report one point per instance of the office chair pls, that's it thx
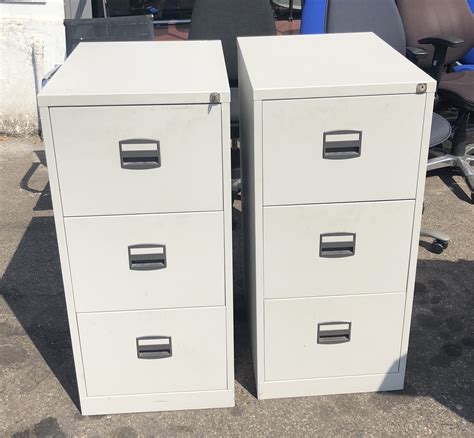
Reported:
(290, 5)
(382, 18)
(445, 28)
(226, 20)
(133, 28)
(467, 63)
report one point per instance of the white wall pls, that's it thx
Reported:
(21, 24)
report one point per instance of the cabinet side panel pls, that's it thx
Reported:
(420, 192)
(250, 141)
(62, 244)
(227, 202)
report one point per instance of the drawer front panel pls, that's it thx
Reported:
(330, 337)
(154, 351)
(341, 150)
(147, 261)
(337, 249)
(145, 159)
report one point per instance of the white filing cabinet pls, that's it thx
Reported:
(335, 132)
(138, 145)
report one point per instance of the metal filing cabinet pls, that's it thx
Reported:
(335, 131)
(138, 145)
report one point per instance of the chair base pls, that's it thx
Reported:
(441, 160)
(440, 242)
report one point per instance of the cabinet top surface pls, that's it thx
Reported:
(134, 73)
(348, 64)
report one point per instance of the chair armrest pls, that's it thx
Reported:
(49, 75)
(414, 54)
(450, 41)
(441, 45)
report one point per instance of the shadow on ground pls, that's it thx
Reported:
(441, 350)
(32, 287)
(44, 200)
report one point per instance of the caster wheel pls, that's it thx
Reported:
(438, 246)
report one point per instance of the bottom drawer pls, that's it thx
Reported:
(330, 337)
(140, 352)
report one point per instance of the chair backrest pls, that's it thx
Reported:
(226, 20)
(133, 28)
(339, 16)
(378, 16)
(469, 58)
(313, 18)
(431, 18)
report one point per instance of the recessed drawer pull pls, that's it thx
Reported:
(147, 257)
(342, 145)
(154, 347)
(336, 245)
(334, 332)
(139, 154)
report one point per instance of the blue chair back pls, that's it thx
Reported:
(469, 58)
(313, 19)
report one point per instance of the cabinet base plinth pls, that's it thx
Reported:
(157, 402)
(329, 386)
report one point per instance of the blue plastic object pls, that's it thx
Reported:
(313, 19)
(468, 60)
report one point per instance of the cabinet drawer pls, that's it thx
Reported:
(138, 159)
(330, 337)
(337, 249)
(154, 351)
(341, 149)
(146, 261)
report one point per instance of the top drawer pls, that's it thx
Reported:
(341, 149)
(138, 159)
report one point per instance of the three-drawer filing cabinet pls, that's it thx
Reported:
(138, 146)
(335, 132)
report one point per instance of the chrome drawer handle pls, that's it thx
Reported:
(342, 145)
(154, 347)
(147, 257)
(139, 153)
(336, 245)
(338, 332)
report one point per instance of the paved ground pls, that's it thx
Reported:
(38, 395)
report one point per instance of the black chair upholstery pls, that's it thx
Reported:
(226, 20)
(440, 130)
(451, 24)
(438, 18)
(446, 29)
(133, 28)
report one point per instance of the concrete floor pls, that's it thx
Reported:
(38, 396)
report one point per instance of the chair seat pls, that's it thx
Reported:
(459, 86)
(440, 130)
(464, 67)
(468, 58)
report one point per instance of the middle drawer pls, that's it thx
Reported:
(337, 249)
(146, 261)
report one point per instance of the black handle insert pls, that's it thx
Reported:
(139, 153)
(154, 347)
(342, 145)
(147, 257)
(336, 245)
(337, 332)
